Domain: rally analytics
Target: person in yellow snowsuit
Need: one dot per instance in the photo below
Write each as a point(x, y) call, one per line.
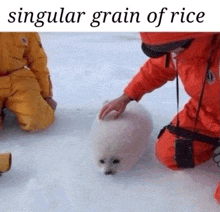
point(25, 86)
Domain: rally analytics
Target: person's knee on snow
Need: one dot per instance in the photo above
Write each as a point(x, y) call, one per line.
point(166, 152)
point(39, 120)
point(31, 110)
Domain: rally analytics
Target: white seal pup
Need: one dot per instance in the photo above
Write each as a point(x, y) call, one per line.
point(118, 143)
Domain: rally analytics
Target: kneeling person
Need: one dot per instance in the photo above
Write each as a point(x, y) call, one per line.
point(25, 86)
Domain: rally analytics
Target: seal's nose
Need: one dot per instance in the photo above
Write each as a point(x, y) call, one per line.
point(109, 172)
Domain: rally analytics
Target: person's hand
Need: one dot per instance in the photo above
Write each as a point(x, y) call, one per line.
point(216, 157)
point(51, 102)
point(118, 105)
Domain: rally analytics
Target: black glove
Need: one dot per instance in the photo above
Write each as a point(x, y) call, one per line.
point(216, 156)
point(51, 102)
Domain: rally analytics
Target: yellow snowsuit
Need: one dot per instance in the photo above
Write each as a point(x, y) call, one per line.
point(5, 162)
point(24, 84)
point(24, 80)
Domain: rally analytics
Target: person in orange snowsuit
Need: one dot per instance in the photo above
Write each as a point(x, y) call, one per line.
point(189, 55)
point(25, 86)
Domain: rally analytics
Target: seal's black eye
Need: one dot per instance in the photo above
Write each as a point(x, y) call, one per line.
point(116, 161)
point(102, 161)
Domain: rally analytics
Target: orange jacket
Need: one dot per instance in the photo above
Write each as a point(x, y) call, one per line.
point(24, 50)
point(191, 65)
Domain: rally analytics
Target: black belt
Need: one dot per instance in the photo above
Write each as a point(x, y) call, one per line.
point(194, 136)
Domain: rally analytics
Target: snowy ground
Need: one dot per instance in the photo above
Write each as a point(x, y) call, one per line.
point(53, 171)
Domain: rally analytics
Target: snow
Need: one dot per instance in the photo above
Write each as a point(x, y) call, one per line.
point(54, 171)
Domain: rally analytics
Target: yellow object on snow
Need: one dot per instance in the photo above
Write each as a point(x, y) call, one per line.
point(24, 80)
point(5, 162)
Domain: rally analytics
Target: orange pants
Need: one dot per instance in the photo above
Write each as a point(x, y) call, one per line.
point(165, 145)
point(20, 92)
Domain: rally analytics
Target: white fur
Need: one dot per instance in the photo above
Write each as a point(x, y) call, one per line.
point(123, 139)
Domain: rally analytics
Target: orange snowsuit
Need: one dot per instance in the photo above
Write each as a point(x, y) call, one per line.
point(24, 80)
point(191, 65)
